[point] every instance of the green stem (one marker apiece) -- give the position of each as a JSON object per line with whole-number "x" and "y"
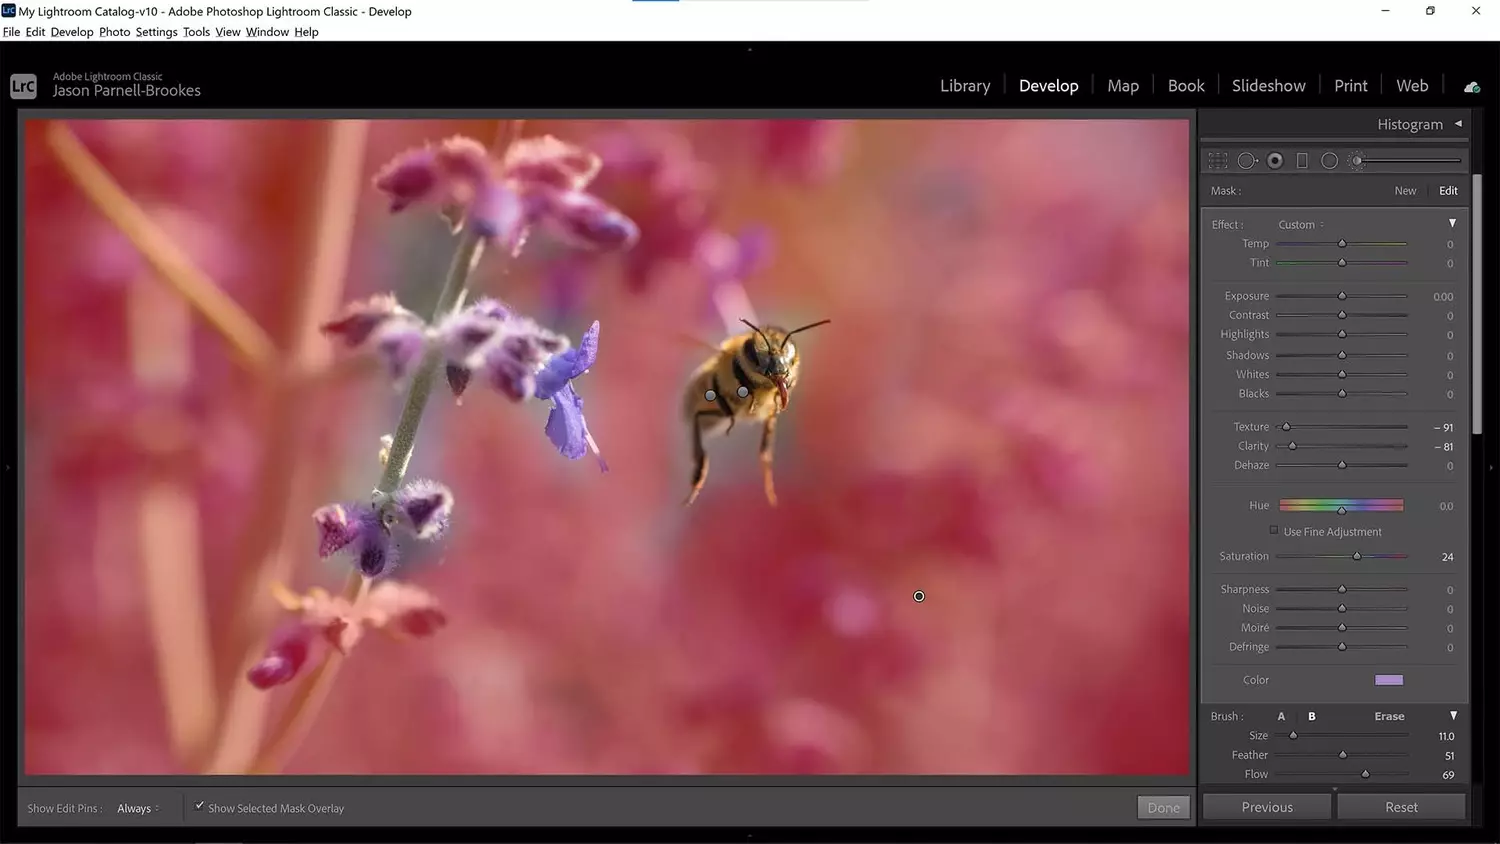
{"x": 404, "y": 440}
{"x": 304, "y": 706}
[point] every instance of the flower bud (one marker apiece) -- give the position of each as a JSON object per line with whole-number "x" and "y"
{"x": 585, "y": 221}
{"x": 359, "y": 321}
{"x": 285, "y": 655}
{"x": 409, "y": 179}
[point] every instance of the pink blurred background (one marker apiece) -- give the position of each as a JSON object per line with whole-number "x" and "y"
{"x": 998, "y": 417}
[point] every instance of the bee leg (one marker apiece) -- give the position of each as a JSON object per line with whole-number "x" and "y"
{"x": 700, "y": 456}
{"x": 767, "y": 446}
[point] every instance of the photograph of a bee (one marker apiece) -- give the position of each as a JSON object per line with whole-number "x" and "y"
{"x": 607, "y": 446}
{"x": 751, "y": 376}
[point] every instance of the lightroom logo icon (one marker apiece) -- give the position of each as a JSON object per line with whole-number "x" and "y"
{"x": 23, "y": 86}
{"x": 7, "y": 10}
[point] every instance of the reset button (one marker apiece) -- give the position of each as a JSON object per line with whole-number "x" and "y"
{"x": 1177, "y": 807}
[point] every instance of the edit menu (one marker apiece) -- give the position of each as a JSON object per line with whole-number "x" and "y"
{"x": 1336, "y": 258}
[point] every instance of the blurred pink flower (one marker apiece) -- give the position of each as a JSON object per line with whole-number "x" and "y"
{"x": 653, "y": 173}
{"x": 729, "y": 258}
{"x": 806, "y": 151}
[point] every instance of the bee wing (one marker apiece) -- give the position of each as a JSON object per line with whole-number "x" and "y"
{"x": 697, "y": 342}
{"x": 655, "y": 328}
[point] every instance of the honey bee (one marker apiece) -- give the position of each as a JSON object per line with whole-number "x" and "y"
{"x": 751, "y": 376}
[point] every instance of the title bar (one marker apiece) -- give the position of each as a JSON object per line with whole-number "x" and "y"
{"x": 755, "y": 20}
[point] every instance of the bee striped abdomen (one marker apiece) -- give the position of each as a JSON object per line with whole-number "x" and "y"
{"x": 720, "y": 399}
{"x": 741, "y": 377}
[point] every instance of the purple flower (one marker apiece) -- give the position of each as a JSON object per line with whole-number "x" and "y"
{"x": 396, "y": 335}
{"x": 509, "y": 361}
{"x": 566, "y": 427}
{"x": 399, "y": 346}
{"x": 566, "y": 366}
{"x": 424, "y": 507}
{"x": 548, "y": 161}
{"x": 421, "y": 508}
{"x": 464, "y": 159}
{"x": 469, "y": 330}
{"x": 540, "y": 182}
{"x": 504, "y": 348}
{"x": 510, "y": 365}
{"x": 725, "y": 258}
{"x": 410, "y": 178}
{"x": 359, "y": 528}
{"x": 464, "y": 334}
{"x": 443, "y": 174}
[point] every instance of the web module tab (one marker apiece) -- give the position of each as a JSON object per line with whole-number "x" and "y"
{"x": 1415, "y": 85}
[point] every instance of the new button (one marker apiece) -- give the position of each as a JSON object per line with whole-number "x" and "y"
{"x": 1177, "y": 807}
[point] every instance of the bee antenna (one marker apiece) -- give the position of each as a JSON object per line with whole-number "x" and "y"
{"x": 757, "y": 330}
{"x": 804, "y": 328}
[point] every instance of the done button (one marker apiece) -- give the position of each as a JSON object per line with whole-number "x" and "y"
{"x": 1178, "y": 807}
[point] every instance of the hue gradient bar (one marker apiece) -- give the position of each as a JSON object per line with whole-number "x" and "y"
{"x": 1348, "y": 505}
